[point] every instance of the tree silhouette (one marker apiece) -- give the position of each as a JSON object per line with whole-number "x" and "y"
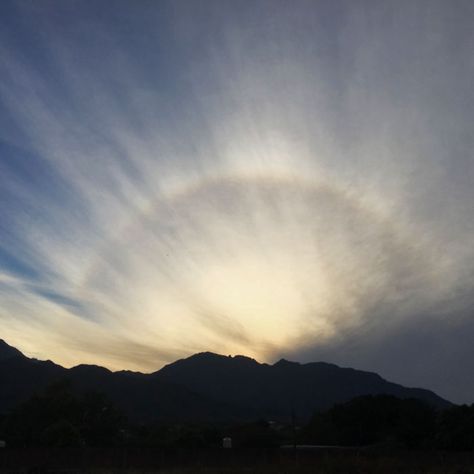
{"x": 61, "y": 417}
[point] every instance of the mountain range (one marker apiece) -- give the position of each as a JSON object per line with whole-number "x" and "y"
{"x": 205, "y": 387}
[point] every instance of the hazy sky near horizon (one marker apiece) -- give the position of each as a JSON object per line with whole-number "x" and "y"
{"x": 269, "y": 178}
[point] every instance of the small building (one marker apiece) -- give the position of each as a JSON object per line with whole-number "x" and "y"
{"x": 227, "y": 442}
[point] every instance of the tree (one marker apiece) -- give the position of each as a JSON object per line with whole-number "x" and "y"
{"x": 61, "y": 417}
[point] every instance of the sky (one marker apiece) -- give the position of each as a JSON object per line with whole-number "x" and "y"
{"x": 267, "y": 178}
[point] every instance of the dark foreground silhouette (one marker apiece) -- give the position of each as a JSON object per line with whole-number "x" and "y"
{"x": 59, "y": 417}
{"x": 61, "y": 429}
{"x": 58, "y": 432}
{"x": 205, "y": 387}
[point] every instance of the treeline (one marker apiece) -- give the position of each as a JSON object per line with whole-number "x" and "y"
{"x": 62, "y": 417}
{"x": 391, "y": 421}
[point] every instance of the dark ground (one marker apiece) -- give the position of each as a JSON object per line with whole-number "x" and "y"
{"x": 205, "y": 461}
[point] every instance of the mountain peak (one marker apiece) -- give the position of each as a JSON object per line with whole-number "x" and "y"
{"x": 91, "y": 368}
{"x": 207, "y": 355}
{"x": 285, "y": 363}
{"x": 213, "y": 357}
{"x": 7, "y": 351}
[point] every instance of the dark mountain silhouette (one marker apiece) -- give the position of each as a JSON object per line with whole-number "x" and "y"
{"x": 275, "y": 390}
{"x": 7, "y": 352}
{"x": 20, "y": 376}
{"x": 140, "y": 396}
{"x": 205, "y": 386}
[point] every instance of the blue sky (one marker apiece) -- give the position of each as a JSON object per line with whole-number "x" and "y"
{"x": 268, "y": 178}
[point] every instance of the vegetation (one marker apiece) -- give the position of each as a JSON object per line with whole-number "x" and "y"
{"x": 373, "y": 434}
{"x": 375, "y": 419}
{"x": 63, "y": 417}
{"x": 387, "y": 420}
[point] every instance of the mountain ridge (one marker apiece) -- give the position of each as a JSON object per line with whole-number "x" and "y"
{"x": 206, "y": 386}
{"x": 7, "y": 351}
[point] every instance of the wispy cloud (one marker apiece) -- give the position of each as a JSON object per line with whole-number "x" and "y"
{"x": 257, "y": 179}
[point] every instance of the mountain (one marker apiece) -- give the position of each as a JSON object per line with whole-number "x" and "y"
{"x": 8, "y": 352}
{"x": 276, "y": 390}
{"x": 205, "y": 386}
{"x": 20, "y": 376}
{"x": 142, "y": 397}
